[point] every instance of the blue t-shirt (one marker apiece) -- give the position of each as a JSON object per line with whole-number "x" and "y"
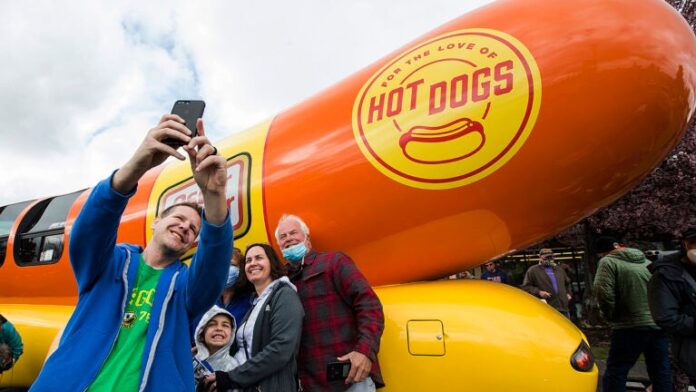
{"x": 497, "y": 276}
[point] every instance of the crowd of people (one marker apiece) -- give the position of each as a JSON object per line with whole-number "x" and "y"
{"x": 234, "y": 321}
{"x": 227, "y": 322}
{"x": 649, "y": 306}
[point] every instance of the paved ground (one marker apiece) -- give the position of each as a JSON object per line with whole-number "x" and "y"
{"x": 637, "y": 377}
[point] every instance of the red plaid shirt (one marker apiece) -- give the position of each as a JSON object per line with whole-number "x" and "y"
{"x": 342, "y": 314}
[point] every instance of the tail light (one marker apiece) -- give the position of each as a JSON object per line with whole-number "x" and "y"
{"x": 582, "y": 359}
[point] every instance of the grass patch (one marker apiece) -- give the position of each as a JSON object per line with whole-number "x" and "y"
{"x": 600, "y": 352}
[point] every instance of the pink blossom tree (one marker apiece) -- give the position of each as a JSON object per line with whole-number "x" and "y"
{"x": 664, "y": 204}
{"x": 661, "y": 207}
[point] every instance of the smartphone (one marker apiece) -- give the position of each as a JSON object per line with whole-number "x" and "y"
{"x": 337, "y": 370}
{"x": 190, "y": 111}
{"x": 201, "y": 369}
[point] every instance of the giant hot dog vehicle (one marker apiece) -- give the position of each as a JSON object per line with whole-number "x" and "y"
{"x": 482, "y": 137}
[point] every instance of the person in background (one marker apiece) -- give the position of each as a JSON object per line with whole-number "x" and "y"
{"x": 621, "y": 289}
{"x": 672, "y": 299}
{"x": 268, "y": 338}
{"x": 549, "y": 282}
{"x": 494, "y": 274}
{"x": 236, "y": 298}
{"x": 344, "y": 319}
{"x": 11, "y": 346}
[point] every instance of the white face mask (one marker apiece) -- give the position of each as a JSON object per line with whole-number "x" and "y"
{"x": 691, "y": 255}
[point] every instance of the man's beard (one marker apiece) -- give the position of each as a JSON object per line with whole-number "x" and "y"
{"x": 171, "y": 253}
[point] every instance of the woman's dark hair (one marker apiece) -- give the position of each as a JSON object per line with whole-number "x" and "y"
{"x": 277, "y": 267}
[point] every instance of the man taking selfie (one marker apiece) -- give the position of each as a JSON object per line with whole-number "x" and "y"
{"x": 129, "y": 330}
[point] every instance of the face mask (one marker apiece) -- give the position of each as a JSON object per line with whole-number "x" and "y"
{"x": 232, "y": 276}
{"x": 691, "y": 255}
{"x": 295, "y": 253}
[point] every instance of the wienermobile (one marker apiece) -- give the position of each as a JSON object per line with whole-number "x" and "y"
{"x": 479, "y": 138}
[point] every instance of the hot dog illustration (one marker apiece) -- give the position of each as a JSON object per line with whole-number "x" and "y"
{"x": 457, "y": 140}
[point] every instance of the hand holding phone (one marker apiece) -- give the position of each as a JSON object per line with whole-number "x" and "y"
{"x": 337, "y": 370}
{"x": 190, "y": 111}
{"x": 201, "y": 369}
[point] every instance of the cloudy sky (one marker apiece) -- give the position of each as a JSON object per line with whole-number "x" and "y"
{"x": 81, "y": 82}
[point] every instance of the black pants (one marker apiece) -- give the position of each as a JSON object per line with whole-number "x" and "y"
{"x": 626, "y": 346}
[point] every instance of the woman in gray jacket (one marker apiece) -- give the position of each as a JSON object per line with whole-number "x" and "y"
{"x": 268, "y": 338}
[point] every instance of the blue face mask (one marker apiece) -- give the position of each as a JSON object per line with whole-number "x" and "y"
{"x": 232, "y": 276}
{"x": 295, "y": 253}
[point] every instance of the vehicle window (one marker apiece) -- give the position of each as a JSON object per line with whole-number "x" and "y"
{"x": 8, "y": 214}
{"x": 41, "y": 234}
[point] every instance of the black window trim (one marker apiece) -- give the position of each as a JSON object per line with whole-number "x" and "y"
{"x": 28, "y": 204}
{"x": 31, "y": 213}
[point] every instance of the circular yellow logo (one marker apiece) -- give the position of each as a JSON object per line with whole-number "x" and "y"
{"x": 450, "y": 111}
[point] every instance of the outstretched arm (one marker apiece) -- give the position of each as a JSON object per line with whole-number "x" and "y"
{"x": 151, "y": 152}
{"x": 210, "y": 172}
{"x": 93, "y": 236}
{"x": 209, "y": 267}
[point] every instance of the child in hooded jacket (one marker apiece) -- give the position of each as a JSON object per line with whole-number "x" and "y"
{"x": 213, "y": 337}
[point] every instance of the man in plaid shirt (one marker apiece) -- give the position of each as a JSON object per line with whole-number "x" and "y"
{"x": 343, "y": 316}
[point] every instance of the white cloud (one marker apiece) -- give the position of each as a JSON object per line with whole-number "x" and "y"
{"x": 81, "y": 82}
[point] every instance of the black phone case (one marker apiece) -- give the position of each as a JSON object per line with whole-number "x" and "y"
{"x": 190, "y": 111}
{"x": 337, "y": 371}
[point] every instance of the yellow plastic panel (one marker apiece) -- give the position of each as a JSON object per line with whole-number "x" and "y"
{"x": 426, "y": 337}
{"x": 37, "y": 325}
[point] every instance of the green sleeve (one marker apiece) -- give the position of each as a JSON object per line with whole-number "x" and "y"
{"x": 604, "y": 288}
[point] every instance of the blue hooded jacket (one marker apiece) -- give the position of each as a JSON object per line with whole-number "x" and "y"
{"x": 105, "y": 274}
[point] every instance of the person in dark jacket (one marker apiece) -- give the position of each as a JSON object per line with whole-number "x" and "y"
{"x": 268, "y": 338}
{"x": 672, "y": 298}
{"x": 549, "y": 282}
{"x": 621, "y": 288}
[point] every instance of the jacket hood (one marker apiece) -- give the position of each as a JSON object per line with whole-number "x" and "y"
{"x": 223, "y": 352}
{"x": 629, "y": 255}
{"x": 285, "y": 280}
{"x": 282, "y": 281}
{"x": 669, "y": 266}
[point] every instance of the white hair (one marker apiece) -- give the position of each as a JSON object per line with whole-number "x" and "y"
{"x": 295, "y": 218}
